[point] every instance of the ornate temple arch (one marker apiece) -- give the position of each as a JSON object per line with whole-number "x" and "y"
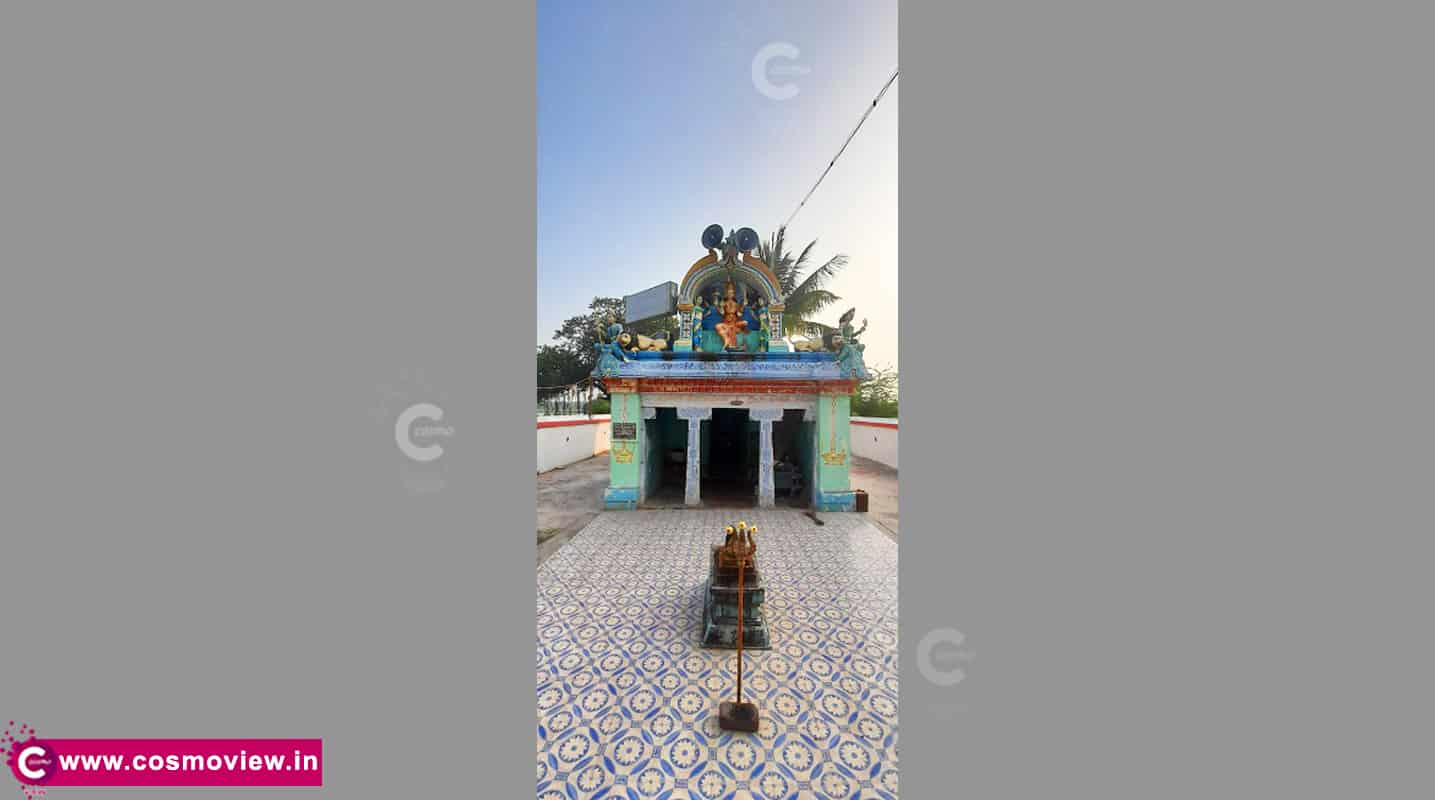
{"x": 747, "y": 268}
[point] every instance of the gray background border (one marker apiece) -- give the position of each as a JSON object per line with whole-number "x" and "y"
{"x": 238, "y": 240}
{"x": 1166, "y": 329}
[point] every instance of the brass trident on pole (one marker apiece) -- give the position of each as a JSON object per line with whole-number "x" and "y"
{"x": 738, "y": 551}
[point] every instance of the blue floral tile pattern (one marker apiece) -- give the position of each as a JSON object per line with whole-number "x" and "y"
{"x": 627, "y": 700}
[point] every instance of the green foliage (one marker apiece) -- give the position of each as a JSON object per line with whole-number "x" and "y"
{"x": 862, "y": 407}
{"x": 572, "y": 358}
{"x": 876, "y": 396}
{"x": 558, "y": 366}
{"x": 804, "y": 297}
{"x": 601, "y": 406}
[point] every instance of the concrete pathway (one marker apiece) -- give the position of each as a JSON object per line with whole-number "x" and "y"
{"x": 880, "y": 483}
{"x": 569, "y": 498}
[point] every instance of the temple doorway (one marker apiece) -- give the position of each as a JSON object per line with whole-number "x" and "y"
{"x": 728, "y": 443}
{"x": 667, "y": 472}
{"x": 729, "y": 459}
{"x": 792, "y": 452}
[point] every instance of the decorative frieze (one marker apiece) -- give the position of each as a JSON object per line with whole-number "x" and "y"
{"x": 727, "y": 369}
{"x": 738, "y": 387}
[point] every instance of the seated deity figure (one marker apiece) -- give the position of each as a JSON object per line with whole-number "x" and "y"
{"x": 732, "y": 322}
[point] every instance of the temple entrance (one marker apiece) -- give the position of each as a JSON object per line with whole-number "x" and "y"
{"x": 667, "y": 470}
{"x": 728, "y": 445}
{"x": 729, "y": 459}
{"x": 792, "y": 471}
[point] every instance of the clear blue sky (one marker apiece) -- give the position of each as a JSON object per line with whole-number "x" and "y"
{"x": 651, "y": 127}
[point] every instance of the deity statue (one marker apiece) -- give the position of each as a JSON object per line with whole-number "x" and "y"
{"x": 732, "y": 323}
{"x": 849, "y": 350}
{"x": 706, "y": 317}
{"x": 851, "y": 334}
{"x": 749, "y": 315}
{"x": 712, "y": 314}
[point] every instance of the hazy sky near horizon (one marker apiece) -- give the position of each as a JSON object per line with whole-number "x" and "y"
{"x": 651, "y": 127}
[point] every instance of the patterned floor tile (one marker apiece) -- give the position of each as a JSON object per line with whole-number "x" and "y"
{"x": 627, "y": 700}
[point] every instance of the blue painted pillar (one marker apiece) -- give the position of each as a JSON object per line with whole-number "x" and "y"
{"x": 692, "y": 494}
{"x": 765, "y": 417}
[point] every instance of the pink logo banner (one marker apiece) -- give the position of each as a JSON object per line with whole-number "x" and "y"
{"x": 168, "y": 762}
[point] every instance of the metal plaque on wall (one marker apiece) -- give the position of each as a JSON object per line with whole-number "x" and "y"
{"x": 627, "y": 431}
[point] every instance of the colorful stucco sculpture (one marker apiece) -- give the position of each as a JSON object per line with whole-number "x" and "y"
{"x": 724, "y": 405}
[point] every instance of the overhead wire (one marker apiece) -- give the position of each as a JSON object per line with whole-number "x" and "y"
{"x": 841, "y": 150}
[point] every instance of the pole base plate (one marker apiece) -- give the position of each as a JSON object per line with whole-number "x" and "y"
{"x": 734, "y": 716}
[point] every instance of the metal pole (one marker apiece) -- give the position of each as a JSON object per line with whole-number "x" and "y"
{"x": 740, "y": 570}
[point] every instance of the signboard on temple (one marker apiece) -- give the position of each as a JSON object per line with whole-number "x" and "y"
{"x": 625, "y": 431}
{"x": 655, "y": 302}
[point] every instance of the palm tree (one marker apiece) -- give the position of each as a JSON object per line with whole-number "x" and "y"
{"x": 804, "y": 297}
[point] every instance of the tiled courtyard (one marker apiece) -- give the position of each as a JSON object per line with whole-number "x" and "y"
{"x": 627, "y": 701}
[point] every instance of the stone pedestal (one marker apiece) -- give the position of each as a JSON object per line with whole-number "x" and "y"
{"x": 720, "y": 609}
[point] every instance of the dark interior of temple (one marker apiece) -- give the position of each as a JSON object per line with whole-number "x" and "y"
{"x": 729, "y": 463}
{"x": 729, "y": 474}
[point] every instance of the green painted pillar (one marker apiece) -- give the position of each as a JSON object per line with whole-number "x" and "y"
{"x": 833, "y": 491}
{"x": 625, "y": 454}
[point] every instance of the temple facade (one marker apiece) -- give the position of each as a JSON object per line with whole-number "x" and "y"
{"x": 729, "y": 412}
